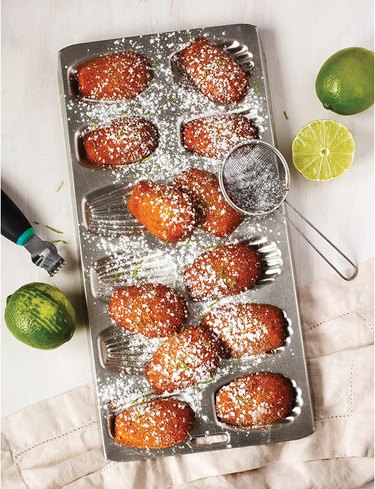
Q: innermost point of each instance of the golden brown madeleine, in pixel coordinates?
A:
(214, 214)
(160, 423)
(153, 310)
(183, 360)
(123, 141)
(216, 74)
(227, 270)
(114, 76)
(246, 328)
(214, 136)
(255, 400)
(164, 210)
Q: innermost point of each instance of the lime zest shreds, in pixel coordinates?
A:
(205, 382)
(136, 270)
(232, 283)
(188, 241)
(63, 241)
(184, 365)
(213, 304)
(213, 247)
(200, 385)
(59, 186)
(237, 364)
(279, 421)
(54, 229)
(323, 150)
(242, 401)
(256, 88)
(118, 275)
(285, 115)
(140, 399)
(121, 112)
(222, 275)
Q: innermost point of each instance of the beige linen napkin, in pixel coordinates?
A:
(56, 443)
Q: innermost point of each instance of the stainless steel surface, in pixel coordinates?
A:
(125, 351)
(254, 179)
(44, 255)
(352, 274)
(125, 268)
(106, 255)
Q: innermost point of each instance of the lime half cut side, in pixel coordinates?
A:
(323, 150)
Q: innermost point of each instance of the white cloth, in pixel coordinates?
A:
(56, 443)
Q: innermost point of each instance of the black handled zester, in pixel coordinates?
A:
(16, 228)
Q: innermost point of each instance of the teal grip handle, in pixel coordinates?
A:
(25, 236)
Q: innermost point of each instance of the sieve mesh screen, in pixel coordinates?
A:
(255, 178)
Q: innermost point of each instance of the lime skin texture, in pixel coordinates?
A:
(345, 82)
(40, 316)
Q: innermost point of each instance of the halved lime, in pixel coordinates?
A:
(323, 150)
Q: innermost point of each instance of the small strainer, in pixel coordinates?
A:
(254, 180)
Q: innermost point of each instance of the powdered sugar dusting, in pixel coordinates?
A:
(255, 400)
(248, 329)
(118, 251)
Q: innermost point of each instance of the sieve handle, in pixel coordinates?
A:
(354, 274)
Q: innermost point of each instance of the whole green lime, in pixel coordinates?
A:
(345, 82)
(40, 315)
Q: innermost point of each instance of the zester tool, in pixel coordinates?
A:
(16, 228)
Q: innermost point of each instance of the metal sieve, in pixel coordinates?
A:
(254, 180)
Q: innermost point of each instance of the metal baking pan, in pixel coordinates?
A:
(112, 257)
